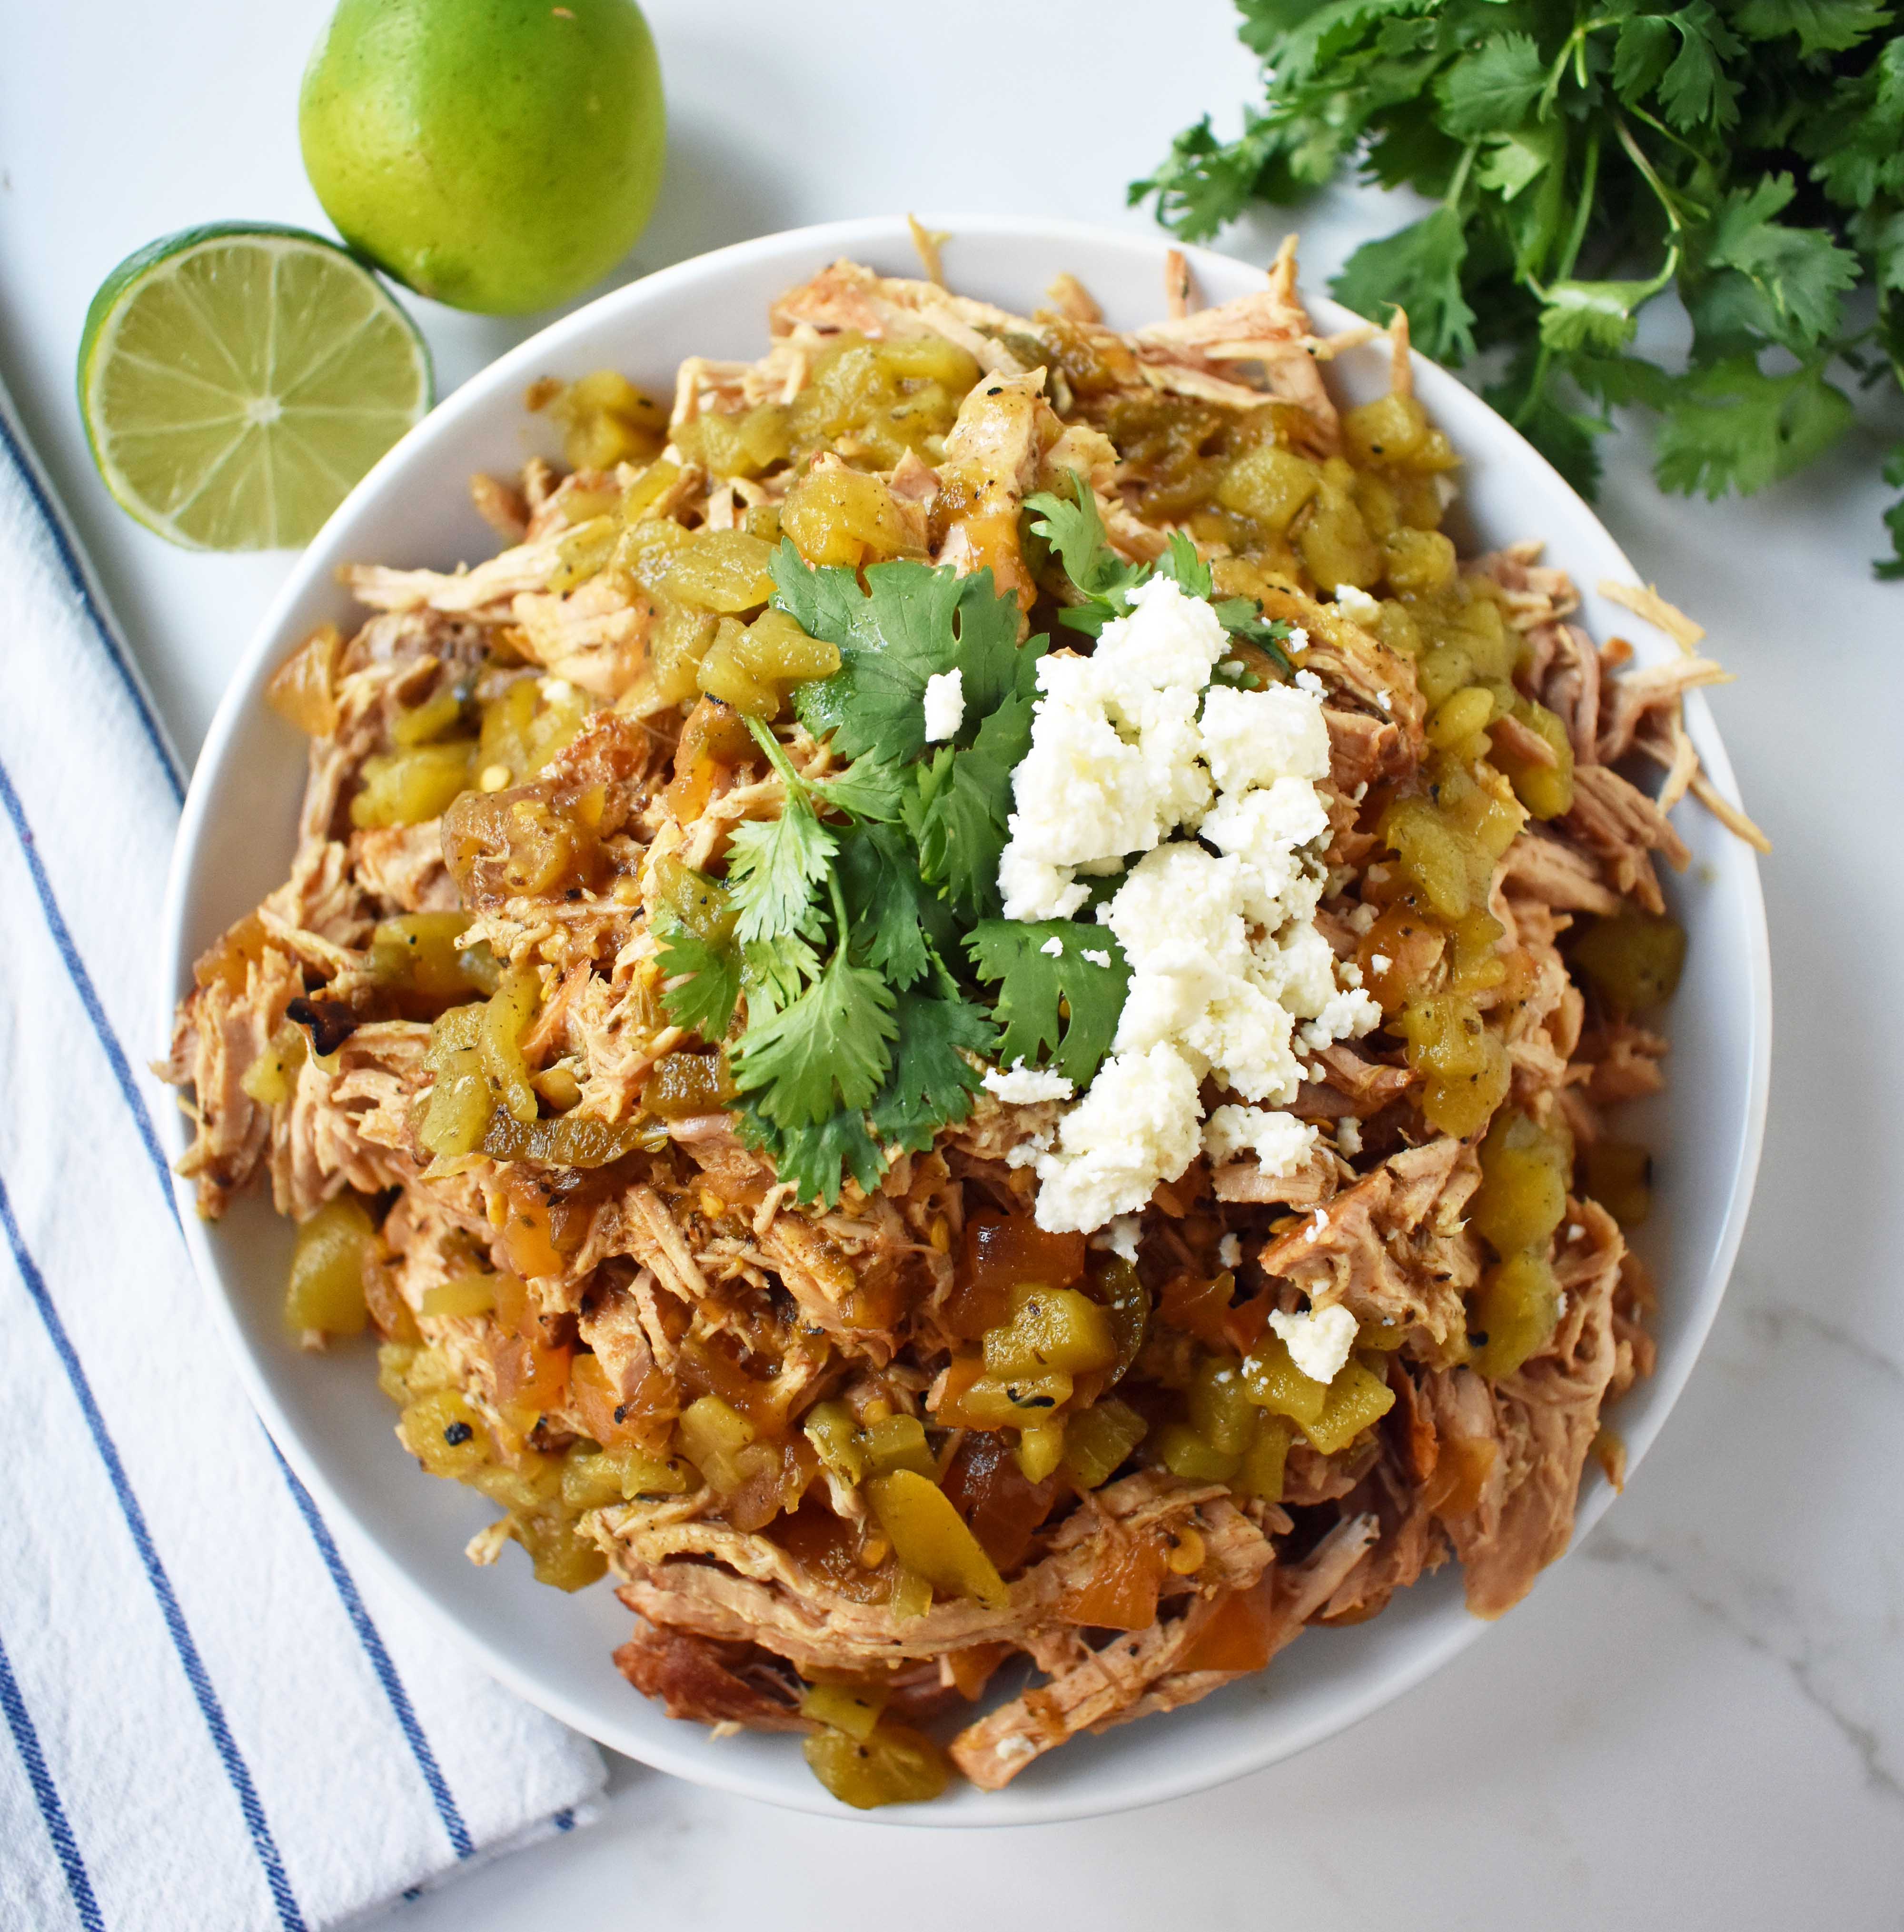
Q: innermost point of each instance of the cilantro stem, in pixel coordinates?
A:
(1665, 133)
(839, 911)
(796, 786)
(1574, 49)
(1637, 155)
(1452, 198)
(1589, 181)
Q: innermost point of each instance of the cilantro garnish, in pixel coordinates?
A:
(1588, 157)
(773, 866)
(931, 1081)
(909, 623)
(824, 1053)
(1075, 531)
(1063, 1003)
(704, 1002)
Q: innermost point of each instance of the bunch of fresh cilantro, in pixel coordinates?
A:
(861, 925)
(1587, 158)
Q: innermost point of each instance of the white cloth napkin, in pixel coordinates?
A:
(209, 1716)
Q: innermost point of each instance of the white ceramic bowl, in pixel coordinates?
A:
(326, 1412)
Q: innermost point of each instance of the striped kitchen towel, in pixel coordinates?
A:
(209, 1716)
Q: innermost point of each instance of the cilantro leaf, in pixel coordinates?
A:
(1642, 52)
(932, 1085)
(1592, 315)
(1418, 269)
(911, 622)
(828, 1049)
(1821, 26)
(959, 815)
(1799, 271)
(1243, 618)
(896, 919)
(1856, 145)
(774, 869)
(1065, 1004)
(1489, 91)
(1181, 563)
(704, 1003)
(1732, 427)
(1075, 531)
(869, 787)
(1204, 182)
(810, 1158)
(1695, 88)
(774, 973)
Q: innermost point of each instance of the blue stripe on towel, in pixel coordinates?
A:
(46, 1794)
(75, 575)
(380, 1660)
(180, 1631)
(82, 979)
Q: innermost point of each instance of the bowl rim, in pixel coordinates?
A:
(474, 398)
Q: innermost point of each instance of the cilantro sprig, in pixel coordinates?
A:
(1588, 157)
(1075, 531)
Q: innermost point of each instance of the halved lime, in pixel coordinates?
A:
(235, 381)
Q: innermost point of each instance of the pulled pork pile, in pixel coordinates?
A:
(446, 1039)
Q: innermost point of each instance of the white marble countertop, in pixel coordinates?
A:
(1697, 1721)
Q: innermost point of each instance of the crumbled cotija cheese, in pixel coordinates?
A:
(1114, 765)
(1319, 1341)
(1281, 1142)
(1228, 971)
(945, 705)
(1120, 1237)
(1137, 1123)
(1023, 1085)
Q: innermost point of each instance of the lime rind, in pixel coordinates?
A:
(236, 380)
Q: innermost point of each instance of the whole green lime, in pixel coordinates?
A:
(494, 154)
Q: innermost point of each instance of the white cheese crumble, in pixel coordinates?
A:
(1119, 1236)
(1348, 1134)
(1229, 973)
(1379, 961)
(1114, 765)
(1229, 1251)
(1355, 603)
(945, 705)
(1023, 1085)
(1255, 737)
(1318, 1341)
(1280, 1142)
(1054, 947)
(1137, 1123)
(1095, 955)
